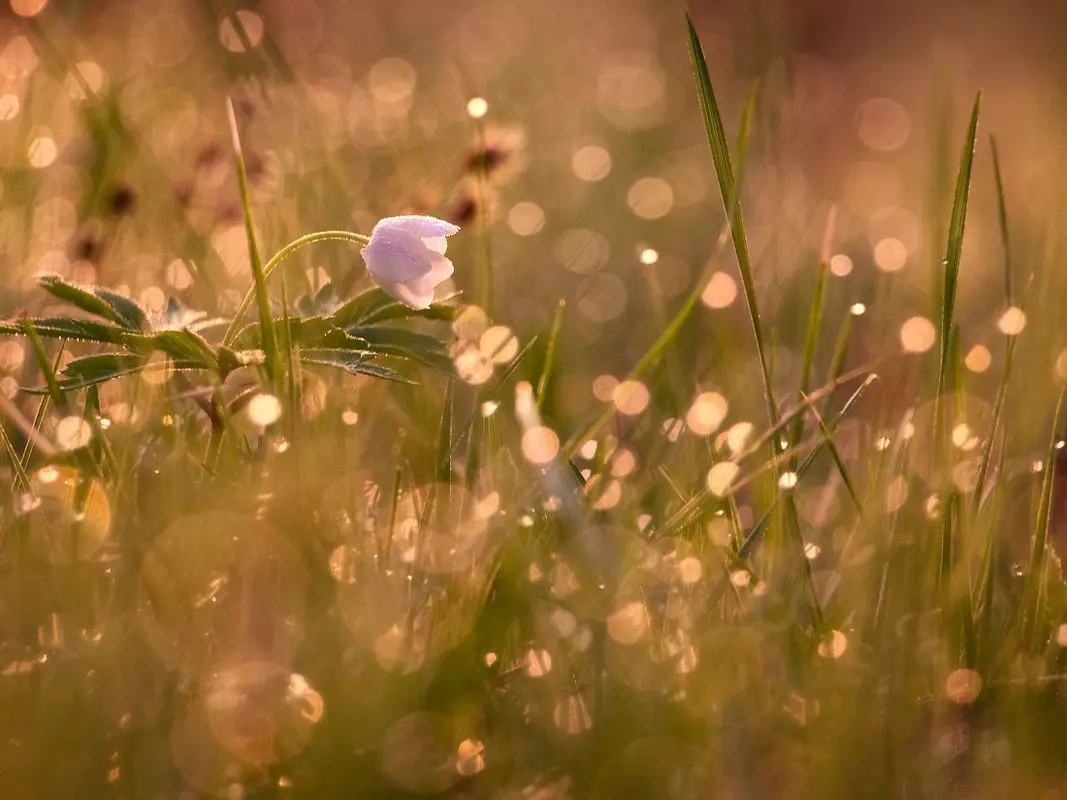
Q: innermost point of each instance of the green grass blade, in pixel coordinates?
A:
(729, 191)
(550, 355)
(835, 452)
(55, 391)
(954, 247)
(1002, 220)
(1033, 594)
(1002, 390)
(266, 321)
(814, 326)
(828, 430)
(39, 417)
(22, 479)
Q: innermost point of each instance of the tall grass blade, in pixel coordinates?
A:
(55, 391)
(1002, 220)
(828, 430)
(271, 363)
(550, 355)
(729, 191)
(22, 479)
(954, 247)
(815, 313)
(1033, 592)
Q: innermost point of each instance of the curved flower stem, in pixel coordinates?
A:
(276, 260)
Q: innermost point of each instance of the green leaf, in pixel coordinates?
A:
(89, 370)
(353, 361)
(376, 305)
(230, 359)
(98, 301)
(184, 345)
(306, 332)
(326, 300)
(393, 341)
(93, 370)
(81, 330)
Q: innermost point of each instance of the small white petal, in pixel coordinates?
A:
(410, 294)
(417, 225)
(436, 243)
(441, 271)
(394, 256)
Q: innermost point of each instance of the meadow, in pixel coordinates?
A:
(705, 473)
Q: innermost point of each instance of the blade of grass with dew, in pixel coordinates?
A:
(814, 326)
(811, 338)
(292, 357)
(987, 571)
(837, 360)
(266, 321)
(954, 246)
(1002, 220)
(963, 600)
(1033, 595)
(35, 438)
(729, 190)
(940, 178)
(828, 430)
(22, 479)
(1009, 357)
(550, 355)
(697, 503)
(835, 452)
(46, 367)
(394, 502)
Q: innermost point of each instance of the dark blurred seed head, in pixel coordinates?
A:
(87, 247)
(499, 154)
(122, 200)
(472, 202)
(208, 155)
(487, 159)
(463, 211)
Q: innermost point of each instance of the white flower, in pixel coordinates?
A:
(406, 257)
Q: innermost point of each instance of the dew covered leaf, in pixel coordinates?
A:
(394, 341)
(98, 301)
(358, 362)
(377, 305)
(80, 330)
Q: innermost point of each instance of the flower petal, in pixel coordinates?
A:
(441, 271)
(436, 243)
(417, 294)
(417, 225)
(394, 255)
